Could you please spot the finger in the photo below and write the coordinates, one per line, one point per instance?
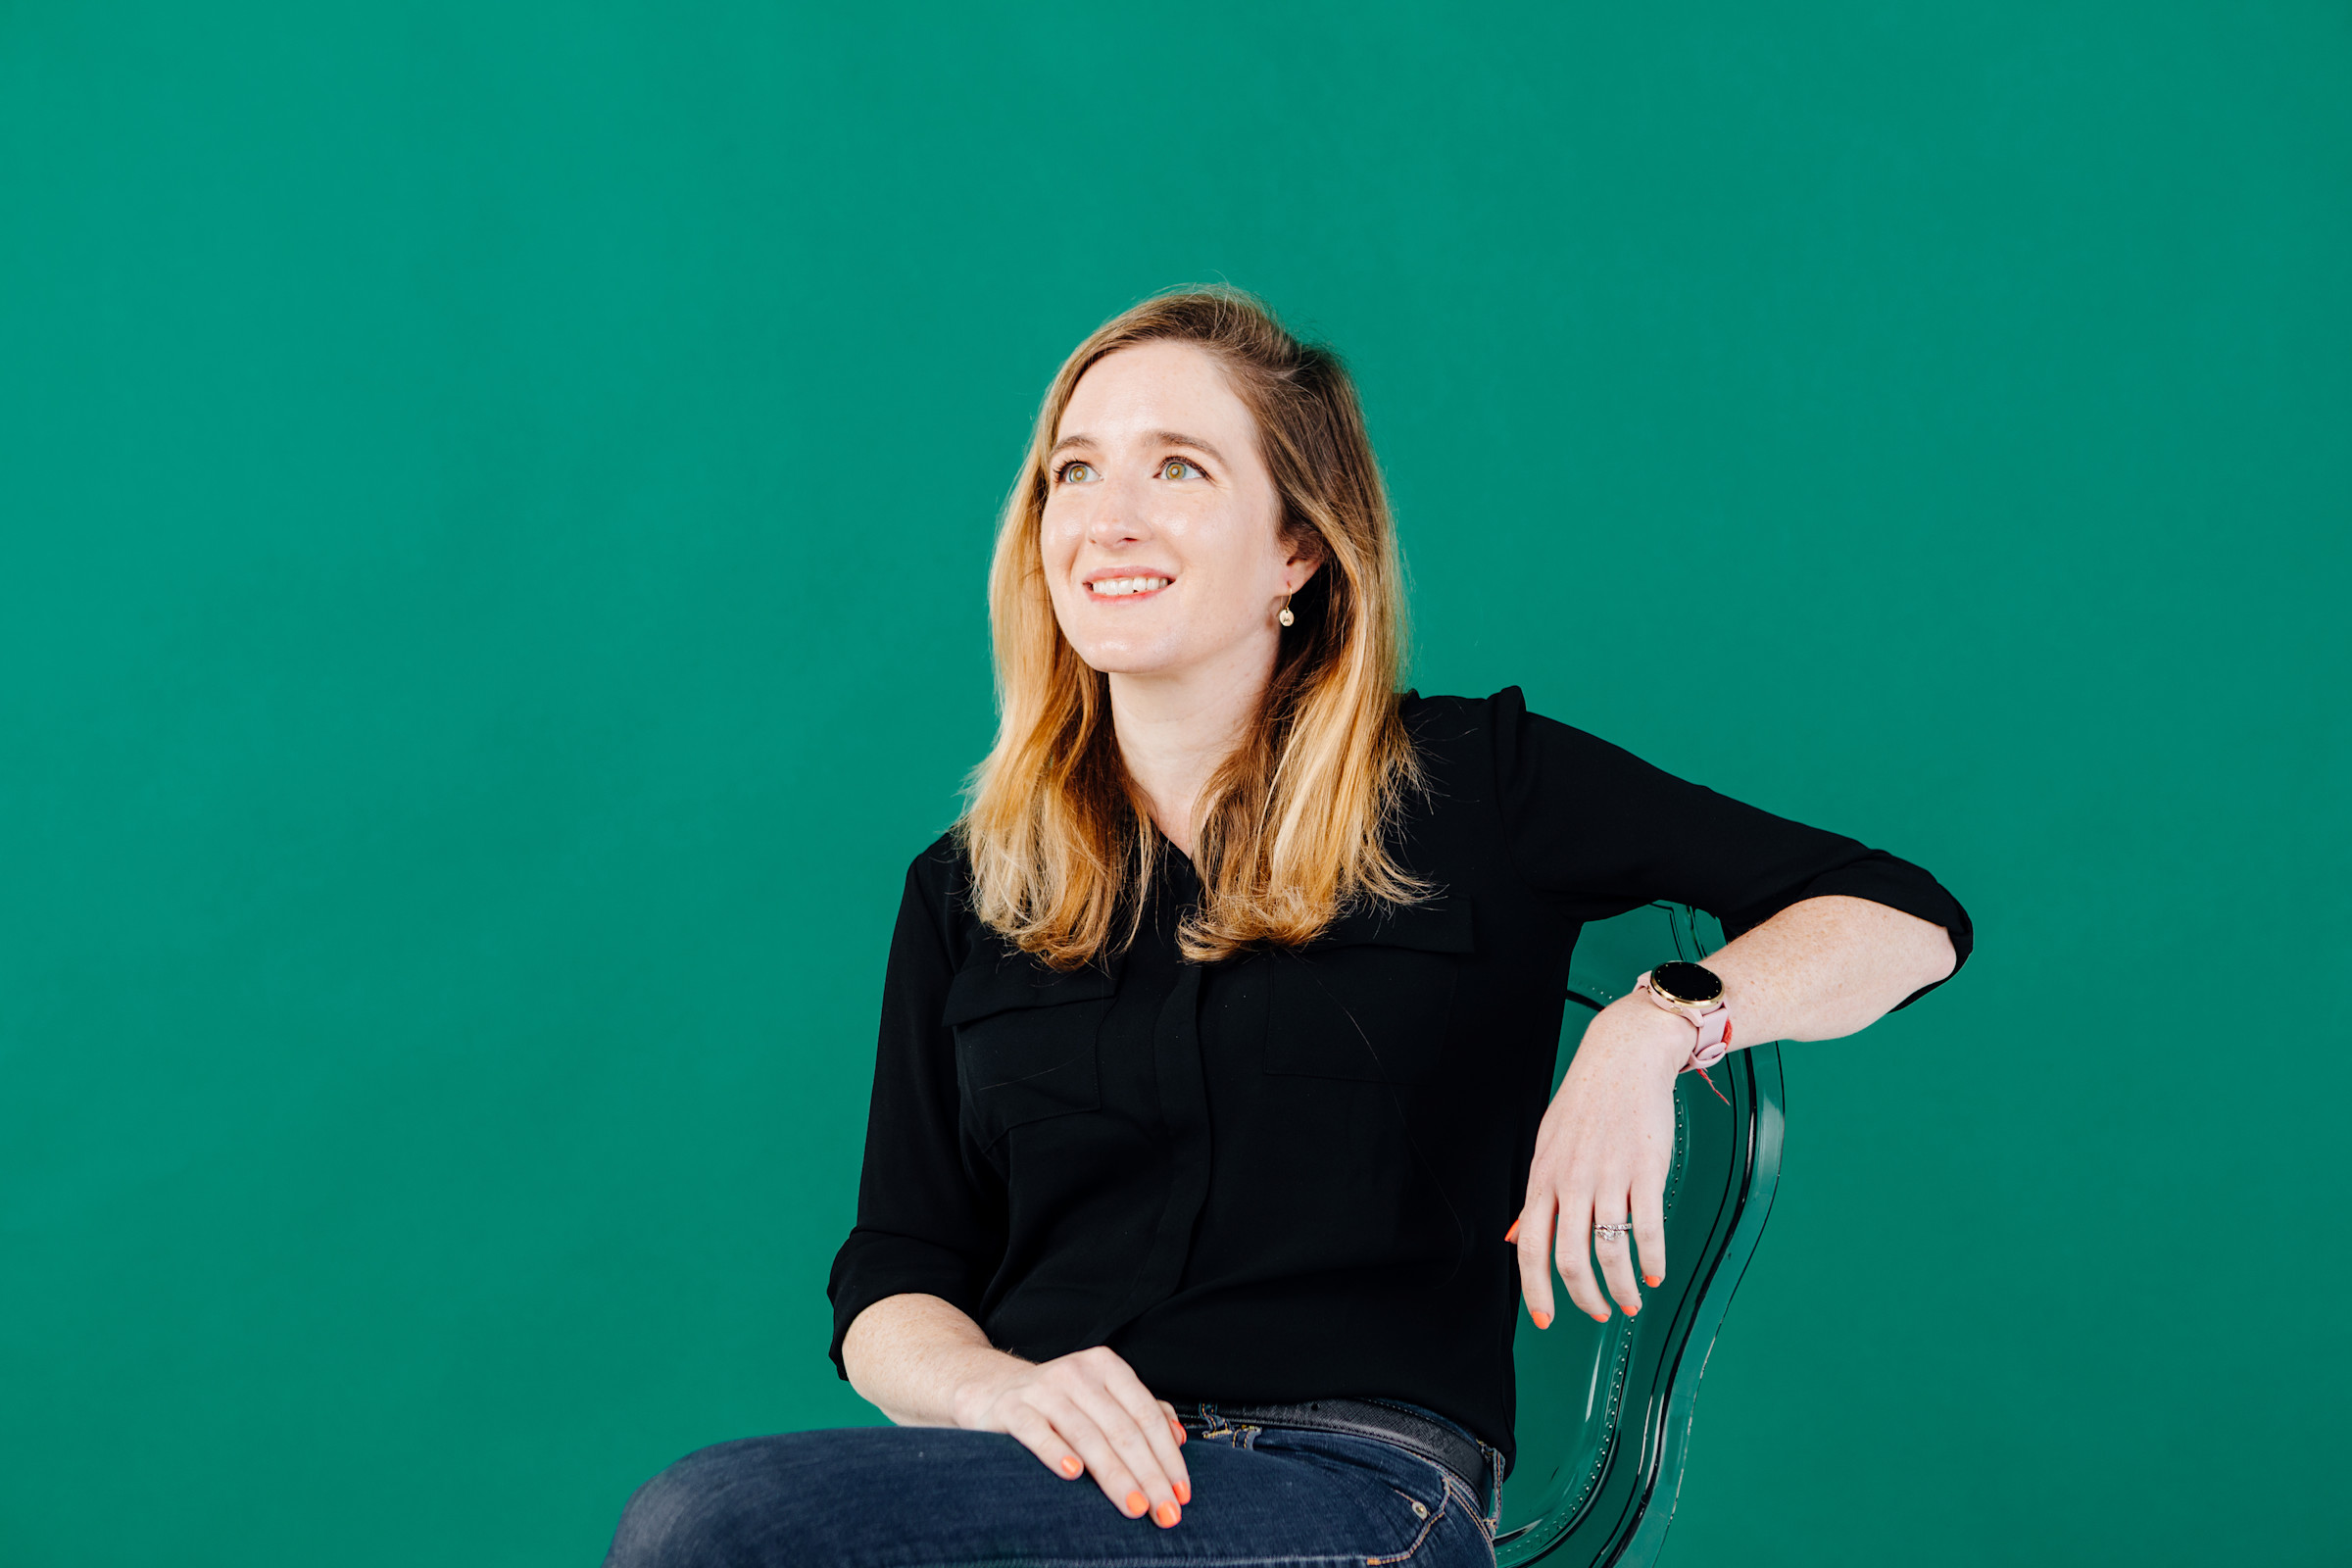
(1152, 1419)
(1131, 1437)
(1616, 1250)
(1086, 1434)
(1534, 1232)
(1175, 1422)
(1122, 1453)
(1649, 1225)
(1030, 1428)
(1572, 1251)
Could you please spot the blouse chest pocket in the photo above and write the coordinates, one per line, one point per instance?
(1371, 999)
(1025, 1040)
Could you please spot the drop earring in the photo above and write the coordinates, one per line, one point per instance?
(1286, 617)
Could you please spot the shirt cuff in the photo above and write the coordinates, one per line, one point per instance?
(1882, 878)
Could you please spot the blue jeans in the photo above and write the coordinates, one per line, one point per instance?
(939, 1497)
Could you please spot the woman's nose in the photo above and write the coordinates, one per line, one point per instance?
(1119, 512)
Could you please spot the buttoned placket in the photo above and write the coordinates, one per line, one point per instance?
(1183, 1088)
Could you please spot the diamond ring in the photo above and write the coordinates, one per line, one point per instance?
(1611, 1233)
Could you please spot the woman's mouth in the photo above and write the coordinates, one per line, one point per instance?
(1136, 587)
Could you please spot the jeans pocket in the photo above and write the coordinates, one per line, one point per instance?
(1402, 1499)
(1473, 1508)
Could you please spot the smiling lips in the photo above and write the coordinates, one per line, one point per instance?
(1136, 587)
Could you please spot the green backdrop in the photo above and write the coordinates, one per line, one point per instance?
(493, 506)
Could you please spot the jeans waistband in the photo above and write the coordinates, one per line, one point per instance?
(1471, 1463)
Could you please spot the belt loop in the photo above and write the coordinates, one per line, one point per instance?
(1494, 1484)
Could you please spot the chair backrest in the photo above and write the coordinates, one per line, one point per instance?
(1604, 1410)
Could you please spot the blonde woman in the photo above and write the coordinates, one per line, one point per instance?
(1210, 1141)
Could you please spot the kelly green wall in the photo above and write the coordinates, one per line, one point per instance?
(493, 504)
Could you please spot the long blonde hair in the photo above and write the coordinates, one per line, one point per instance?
(1293, 823)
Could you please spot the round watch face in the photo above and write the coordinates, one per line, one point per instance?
(1686, 982)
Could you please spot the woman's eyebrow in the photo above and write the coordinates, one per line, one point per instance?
(1177, 438)
(1158, 438)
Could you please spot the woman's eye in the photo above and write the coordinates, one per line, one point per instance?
(1077, 472)
(1178, 468)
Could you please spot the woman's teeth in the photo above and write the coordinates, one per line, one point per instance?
(1117, 587)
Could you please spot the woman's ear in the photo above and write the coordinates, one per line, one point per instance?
(1307, 556)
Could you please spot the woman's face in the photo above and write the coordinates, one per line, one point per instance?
(1159, 535)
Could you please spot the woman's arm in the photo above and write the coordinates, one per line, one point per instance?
(1826, 967)
(1820, 968)
(929, 1234)
(925, 1363)
(1830, 934)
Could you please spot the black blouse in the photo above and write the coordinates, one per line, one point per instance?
(1286, 1176)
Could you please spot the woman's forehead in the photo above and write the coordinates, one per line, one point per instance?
(1155, 389)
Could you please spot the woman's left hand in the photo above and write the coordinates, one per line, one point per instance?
(1601, 1156)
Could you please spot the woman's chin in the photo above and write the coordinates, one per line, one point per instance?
(1127, 655)
(1126, 666)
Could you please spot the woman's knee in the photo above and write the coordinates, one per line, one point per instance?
(706, 1509)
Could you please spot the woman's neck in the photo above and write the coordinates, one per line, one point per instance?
(1175, 730)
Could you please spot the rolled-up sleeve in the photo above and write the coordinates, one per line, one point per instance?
(926, 1225)
(1592, 824)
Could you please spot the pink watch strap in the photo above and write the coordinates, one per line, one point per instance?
(1714, 1028)
(1714, 1036)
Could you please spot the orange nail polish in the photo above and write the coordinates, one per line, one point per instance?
(1183, 1492)
(1633, 1311)
(1653, 1281)
(1071, 1466)
(1166, 1514)
(1601, 1317)
(1543, 1319)
(1177, 1427)
(1512, 1234)
(1134, 1505)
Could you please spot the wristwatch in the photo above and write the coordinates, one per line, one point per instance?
(1692, 993)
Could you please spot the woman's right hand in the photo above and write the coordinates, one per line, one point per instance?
(925, 1363)
(1087, 1414)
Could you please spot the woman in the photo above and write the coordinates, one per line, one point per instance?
(1210, 1099)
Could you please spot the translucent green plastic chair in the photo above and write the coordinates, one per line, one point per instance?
(1604, 1410)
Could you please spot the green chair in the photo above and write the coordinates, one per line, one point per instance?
(1604, 1410)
